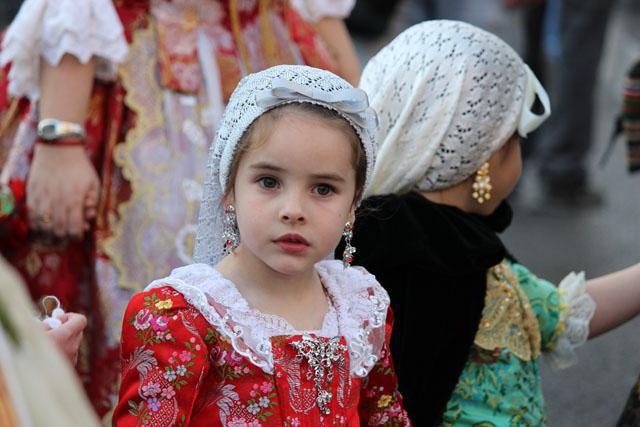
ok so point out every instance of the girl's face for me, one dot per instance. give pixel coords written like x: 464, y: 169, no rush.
x: 293, y: 194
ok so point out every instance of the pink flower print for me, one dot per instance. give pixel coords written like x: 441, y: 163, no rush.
x: 153, y: 404
x: 294, y: 422
x: 185, y: 356
x: 168, y: 392
x: 241, y: 422
x: 173, y: 357
x: 266, y: 387
x: 198, y: 347
x: 168, y: 336
x: 237, y: 370
x: 159, y: 335
x: 192, y: 340
x: 246, y: 370
x: 151, y: 389
x: 142, y: 319
x: 395, y: 410
x: 160, y: 323
x: 233, y: 358
x: 253, y: 393
x: 188, y: 75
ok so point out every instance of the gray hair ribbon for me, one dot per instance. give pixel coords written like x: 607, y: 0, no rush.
x: 351, y: 103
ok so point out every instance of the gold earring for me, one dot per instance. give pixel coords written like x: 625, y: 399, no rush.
x: 482, y: 184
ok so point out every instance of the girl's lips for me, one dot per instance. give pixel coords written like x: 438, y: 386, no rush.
x: 292, y: 243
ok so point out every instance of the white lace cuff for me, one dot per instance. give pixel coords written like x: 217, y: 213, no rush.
x: 53, y: 28
x: 578, y: 307
x: 315, y: 10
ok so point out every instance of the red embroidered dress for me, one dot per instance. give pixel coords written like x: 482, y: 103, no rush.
x: 194, y: 353
x: 151, y: 118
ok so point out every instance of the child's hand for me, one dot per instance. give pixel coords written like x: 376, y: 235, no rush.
x: 68, y: 336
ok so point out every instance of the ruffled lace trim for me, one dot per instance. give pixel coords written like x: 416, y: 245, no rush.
x: 357, y: 312
x: 53, y: 28
x: 578, y: 309
x: 315, y: 10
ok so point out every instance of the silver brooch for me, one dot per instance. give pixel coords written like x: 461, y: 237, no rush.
x: 321, y: 355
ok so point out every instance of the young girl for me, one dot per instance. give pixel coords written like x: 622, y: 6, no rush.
x: 271, y: 334
x: 453, y: 103
x: 127, y: 90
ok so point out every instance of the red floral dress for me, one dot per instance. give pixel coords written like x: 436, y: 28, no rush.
x: 194, y: 353
x: 151, y: 119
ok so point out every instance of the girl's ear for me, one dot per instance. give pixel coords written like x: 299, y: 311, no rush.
x: 229, y: 199
x: 352, y: 214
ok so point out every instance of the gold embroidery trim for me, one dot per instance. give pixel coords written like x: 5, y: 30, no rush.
x: 508, y: 321
x: 234, y: 17
x: 268, y: 39
x: 145, y: 121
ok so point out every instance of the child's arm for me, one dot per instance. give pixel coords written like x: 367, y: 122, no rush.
x: 380, y: 399
x: 617, y: 297
x: 164, y: 359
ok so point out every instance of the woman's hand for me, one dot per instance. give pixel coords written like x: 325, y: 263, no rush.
x: 69, y: 335
x: 62, y: 190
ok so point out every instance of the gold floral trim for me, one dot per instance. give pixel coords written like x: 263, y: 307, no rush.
x: 508, y: 321
x: 145, y: 122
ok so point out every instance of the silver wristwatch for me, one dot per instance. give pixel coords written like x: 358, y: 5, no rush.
x: 53, y: 129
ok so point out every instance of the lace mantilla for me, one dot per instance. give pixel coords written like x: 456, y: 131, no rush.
x: 358, y: 312
x: 315, y: 10
x: 578, y: 309
x: 448, y: 95
x: 508, y: 321
x: 53, y: 28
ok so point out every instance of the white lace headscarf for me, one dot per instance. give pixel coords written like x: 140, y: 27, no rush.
x: 448, y: 95
x: 255, y: 95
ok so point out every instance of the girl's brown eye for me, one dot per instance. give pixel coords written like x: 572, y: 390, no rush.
x: 268, y: 182
x: 324, y: 190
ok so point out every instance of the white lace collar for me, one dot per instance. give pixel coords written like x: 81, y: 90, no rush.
x: 358, y: 312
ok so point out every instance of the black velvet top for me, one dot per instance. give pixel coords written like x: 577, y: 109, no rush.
x: 432, y: 259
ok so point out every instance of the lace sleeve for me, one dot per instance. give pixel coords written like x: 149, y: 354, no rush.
x: 53, y: 28
x: 315, y: 10
x: 573, y: 329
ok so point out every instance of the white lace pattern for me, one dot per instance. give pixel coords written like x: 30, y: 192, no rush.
x: 53, y: 28
x: 580, y: 308
x: 357, y: 311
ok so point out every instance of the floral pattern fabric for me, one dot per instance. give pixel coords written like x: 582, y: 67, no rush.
x: 498, y: 388
x: 180, y: 370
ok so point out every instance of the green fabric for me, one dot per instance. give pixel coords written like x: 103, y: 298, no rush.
x: 545, y: 302
x: 496, y: 388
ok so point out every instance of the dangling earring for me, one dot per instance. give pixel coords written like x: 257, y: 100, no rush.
x: 347, y: 255
x: 230, y: 235
x: 482, y: 184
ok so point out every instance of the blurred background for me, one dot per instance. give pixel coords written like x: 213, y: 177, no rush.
x: 589, y: 223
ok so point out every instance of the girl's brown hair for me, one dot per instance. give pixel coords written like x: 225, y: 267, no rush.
x: 261, y: 129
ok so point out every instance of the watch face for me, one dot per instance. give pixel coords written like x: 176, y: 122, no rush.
x: 48, y: 131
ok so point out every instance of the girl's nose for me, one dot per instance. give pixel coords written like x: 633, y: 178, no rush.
x: 292, y: 211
